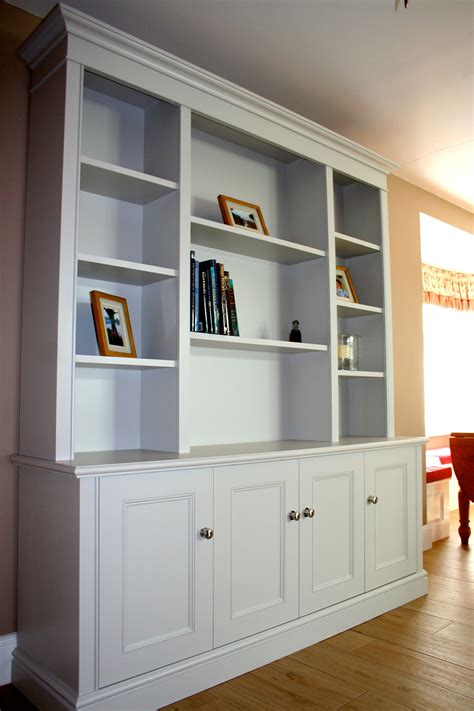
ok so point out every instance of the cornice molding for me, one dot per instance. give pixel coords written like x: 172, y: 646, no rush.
x: 64, y: 20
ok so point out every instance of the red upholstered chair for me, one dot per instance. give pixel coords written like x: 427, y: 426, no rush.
x: 462, y: 454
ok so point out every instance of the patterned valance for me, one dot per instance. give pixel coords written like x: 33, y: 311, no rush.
x: 451, y: 290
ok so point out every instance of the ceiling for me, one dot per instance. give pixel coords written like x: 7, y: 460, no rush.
x: 396, y: 80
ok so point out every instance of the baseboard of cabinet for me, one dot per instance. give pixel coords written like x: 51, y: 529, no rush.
x: 176, y: 681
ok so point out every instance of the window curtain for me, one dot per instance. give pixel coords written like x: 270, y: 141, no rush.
x: 450, y: 290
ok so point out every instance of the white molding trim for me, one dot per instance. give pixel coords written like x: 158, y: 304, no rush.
x: 64, y: 20
x: 7, y: 645
x: 427, y: 537
x: 182, y: 679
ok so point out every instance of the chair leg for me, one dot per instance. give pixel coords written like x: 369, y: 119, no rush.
x: 464, y: 529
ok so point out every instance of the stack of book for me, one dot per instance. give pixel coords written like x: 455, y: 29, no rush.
x: 213, y: 307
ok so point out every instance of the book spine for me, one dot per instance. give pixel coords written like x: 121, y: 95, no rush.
x: 222, y: 301
x: 197, y: 289
x: 193, y: 300
x: 234, y: 323
x: 214, y: 307
x: 203, y: 304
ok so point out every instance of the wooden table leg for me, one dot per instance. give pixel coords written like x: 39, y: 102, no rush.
x: 464, y: 529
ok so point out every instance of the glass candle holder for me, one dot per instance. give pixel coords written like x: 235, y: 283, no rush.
x: 347, y: 352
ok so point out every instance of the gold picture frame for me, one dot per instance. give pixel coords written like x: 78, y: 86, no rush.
x: 344, y: 286
x: 112, y: 325
x: 242, y: 214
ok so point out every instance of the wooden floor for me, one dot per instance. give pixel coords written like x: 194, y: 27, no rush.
x: 420, y: 656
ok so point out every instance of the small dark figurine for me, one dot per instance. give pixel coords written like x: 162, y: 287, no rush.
x: 295, y: 333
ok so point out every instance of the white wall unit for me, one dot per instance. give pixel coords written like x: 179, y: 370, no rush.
x: 124, y: 461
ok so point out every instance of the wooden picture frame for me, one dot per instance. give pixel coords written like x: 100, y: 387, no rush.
x: 245, y: 215
x: 112, y: 325
x: 344, y: 286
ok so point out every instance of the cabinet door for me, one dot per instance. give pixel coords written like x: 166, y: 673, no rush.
x: 155, y: 576
x: 391, y: 522
x: 331, y: 541
x: 255, y: 548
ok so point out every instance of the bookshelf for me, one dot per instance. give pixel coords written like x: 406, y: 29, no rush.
x: 136, y: 460
x: 143, y: 196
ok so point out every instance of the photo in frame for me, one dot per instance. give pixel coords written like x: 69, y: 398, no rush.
x: 112, y: 325
x: 344, y: 286
x: 238, y: 213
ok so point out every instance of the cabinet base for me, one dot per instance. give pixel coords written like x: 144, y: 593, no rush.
x: 176, y: 681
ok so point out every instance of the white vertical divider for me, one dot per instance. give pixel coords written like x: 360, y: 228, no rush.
x: 49, y: 266
x: 184, y: 352
x: 331, y: 261
x: 387, y: 307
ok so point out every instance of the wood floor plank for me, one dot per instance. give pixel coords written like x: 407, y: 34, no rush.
x: 382, y: 680
x: 347, y: 640
x: 459, y: 633
x: 419, y: 641
x: 444, y: 592
x: 449, y: 571
x: 323, y: 690
x: 374, y: 702
x: 421, y: 666
x: 442, y: 609
x: 416, y: 619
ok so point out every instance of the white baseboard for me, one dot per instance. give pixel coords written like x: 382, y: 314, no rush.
x: 427, y: 535
x: 181, y: 679
x: 7, y: 645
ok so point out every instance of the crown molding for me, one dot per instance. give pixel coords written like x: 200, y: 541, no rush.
x: 63, y: 21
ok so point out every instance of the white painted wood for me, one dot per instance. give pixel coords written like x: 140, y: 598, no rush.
x: 111, y: 463
x: 176, y: 681
x: 360, y: 374
x: 7, y: 645
x: 332, y: 542
x: 362, y: 407
x: 348, y: 309
x: 88, y: 584
x: 48, y: 572
x: 256, y: 549
x: 156, y: 572
x: 108, y: 180
x: 358, y: 213
x: 390, y: 397
x: 49, y: 256
x: 89, y: 361
x: 348, y: 247
x: 234, y: 239
x: 391, y: 524
x: 207, y: 340
x: 92, y: 266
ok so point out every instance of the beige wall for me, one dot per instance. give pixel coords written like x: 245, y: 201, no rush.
x: 15, y: 25
x: 405, y: 203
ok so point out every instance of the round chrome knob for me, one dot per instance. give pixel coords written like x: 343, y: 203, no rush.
x: 372, y: 499
x: 294, y: 515
x: 207, y: 533
x: 308, y: 513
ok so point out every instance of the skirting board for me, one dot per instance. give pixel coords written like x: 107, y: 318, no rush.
x: 7, y: 645
x: 156, y: 689
x: 427, y: 537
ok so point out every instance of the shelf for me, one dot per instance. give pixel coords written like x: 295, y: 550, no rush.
x: 347, y: 247
x: 348, y: 309
x: 91, y: 266
x: 360, y: 374
x: 90, y: 361
x: 240, y: 241
x: 208, y: 340
x: 113, y: 181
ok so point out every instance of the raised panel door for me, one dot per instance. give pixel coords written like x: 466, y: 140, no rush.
x: 391, y: 519
x: 331, y: 530
x: 155, y: 603
x: 255, y: 548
